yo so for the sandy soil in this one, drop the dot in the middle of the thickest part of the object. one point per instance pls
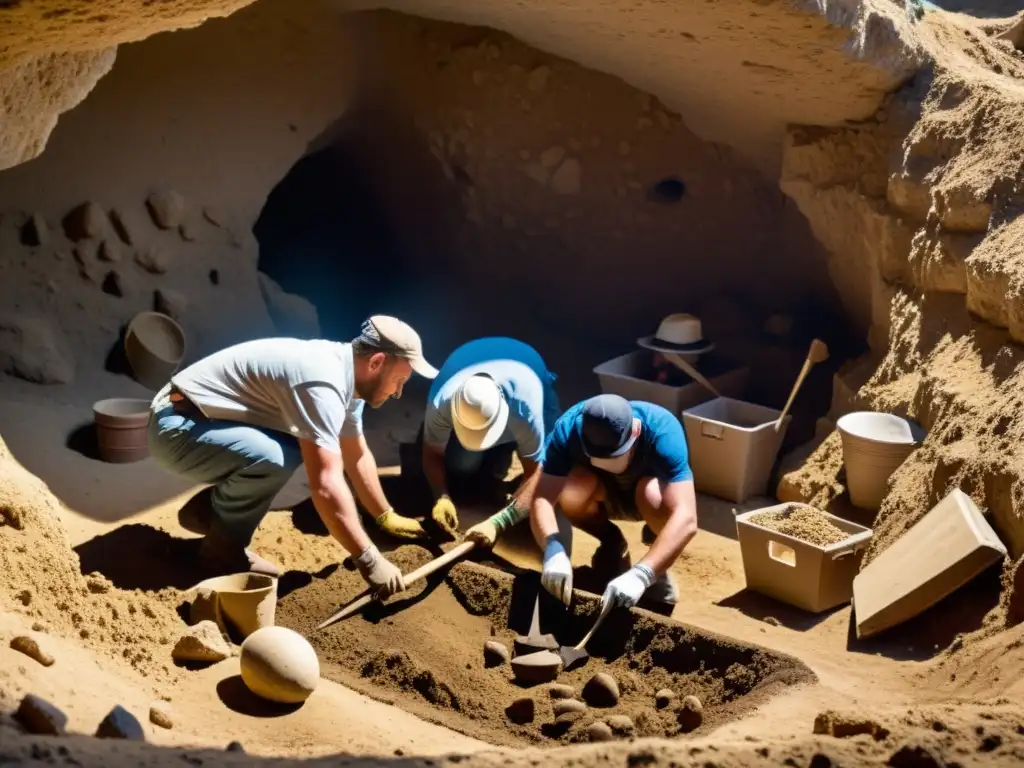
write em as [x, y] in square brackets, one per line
[92, 556]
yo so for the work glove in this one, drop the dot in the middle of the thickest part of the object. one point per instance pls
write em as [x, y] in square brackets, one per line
[487, 532]
[382, 575]
[444, 514]
[626, 590]
[399, 526]
[556, 577]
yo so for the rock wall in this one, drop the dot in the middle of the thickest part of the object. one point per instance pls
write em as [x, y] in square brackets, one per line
[942, 189]
[532, 186]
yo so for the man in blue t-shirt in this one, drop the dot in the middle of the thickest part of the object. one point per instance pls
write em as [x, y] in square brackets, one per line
[491, 397]
[610, 458]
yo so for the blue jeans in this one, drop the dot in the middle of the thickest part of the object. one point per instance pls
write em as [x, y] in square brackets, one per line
[247, 466]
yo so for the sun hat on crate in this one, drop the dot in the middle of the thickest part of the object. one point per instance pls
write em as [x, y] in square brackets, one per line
[678, 334]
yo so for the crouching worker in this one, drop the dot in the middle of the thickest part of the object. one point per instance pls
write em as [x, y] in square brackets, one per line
[244, 418]
[492, 397]
[611, 459]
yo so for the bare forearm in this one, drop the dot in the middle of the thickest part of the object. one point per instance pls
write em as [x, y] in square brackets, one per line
[363, 474]
[337, 508]
[527, 486]
[433, 468]
[542, 521]
[672, 540]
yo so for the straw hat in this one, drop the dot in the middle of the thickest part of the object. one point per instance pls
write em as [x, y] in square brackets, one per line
[479, 413]
[679, 334]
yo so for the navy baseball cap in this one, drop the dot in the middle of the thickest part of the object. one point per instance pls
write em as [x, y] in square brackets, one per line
[606, 426]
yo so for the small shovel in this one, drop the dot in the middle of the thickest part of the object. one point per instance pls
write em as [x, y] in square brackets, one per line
[576, 655]
[818, 353]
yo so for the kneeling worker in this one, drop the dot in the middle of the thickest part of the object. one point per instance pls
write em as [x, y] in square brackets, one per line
[244, 418]
[608, 458]
[497, 396]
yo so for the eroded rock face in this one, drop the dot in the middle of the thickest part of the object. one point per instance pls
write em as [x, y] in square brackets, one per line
[34, 351]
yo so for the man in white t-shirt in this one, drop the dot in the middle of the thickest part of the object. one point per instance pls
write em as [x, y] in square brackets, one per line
[244, 418]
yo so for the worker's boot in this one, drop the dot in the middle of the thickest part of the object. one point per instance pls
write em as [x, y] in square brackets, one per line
[219, 555]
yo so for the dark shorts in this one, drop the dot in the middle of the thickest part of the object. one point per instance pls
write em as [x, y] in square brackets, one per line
[620, 496]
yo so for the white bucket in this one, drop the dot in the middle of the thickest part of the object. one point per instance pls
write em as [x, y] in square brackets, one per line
[874, 446]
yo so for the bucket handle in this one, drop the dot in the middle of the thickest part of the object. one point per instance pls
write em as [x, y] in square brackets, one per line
[715, 431]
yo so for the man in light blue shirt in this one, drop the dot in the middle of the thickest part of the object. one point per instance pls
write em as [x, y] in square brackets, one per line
[491, 397]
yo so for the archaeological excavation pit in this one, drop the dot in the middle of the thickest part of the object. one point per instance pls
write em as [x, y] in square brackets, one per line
[424, 652]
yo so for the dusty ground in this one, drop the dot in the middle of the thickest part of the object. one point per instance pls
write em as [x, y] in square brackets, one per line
[90, 554]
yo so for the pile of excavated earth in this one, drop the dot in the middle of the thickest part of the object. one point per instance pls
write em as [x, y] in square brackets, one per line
[919, 206]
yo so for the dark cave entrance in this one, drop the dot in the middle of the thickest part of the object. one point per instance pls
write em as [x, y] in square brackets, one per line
[360, 226]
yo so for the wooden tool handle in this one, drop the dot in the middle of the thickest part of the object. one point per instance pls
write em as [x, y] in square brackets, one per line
[593, 629]
[816, 354]
[420, 573]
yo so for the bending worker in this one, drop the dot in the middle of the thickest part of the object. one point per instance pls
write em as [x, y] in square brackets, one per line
[491, 397]
[244, 418]
[612, 459]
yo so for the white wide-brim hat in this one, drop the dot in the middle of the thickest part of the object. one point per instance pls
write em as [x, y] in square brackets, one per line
[479, 413]
[679, 334]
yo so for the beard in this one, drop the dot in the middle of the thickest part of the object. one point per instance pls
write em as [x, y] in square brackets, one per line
[373, 392]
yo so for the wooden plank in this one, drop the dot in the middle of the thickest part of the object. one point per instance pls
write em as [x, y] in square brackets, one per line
[944, 550]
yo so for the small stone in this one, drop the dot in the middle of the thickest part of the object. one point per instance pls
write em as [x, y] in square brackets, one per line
[537, 172]
[538, 80]
[40, 716]
[24, 596]
[187, 232]
[691, 714]
[552, 156]
[562, 691]
[664, 697]
[235, 746]
[601, 691]
[621, 725]
[600, 732]
[562, 706]
[108, 251]
[84, 222]
[30, 646]
[568, 178]
[112, 284]
[152, 259]
[160, 714]
[121, 227]
[915, 756]
[521, 711]
[166, 207]
[35, 232]
[120, 724]
[84, 262]
[171, 303]
[202, 642]
[495, 654]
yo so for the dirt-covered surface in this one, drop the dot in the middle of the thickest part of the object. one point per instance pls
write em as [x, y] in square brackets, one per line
[425, 653]
[802, 522]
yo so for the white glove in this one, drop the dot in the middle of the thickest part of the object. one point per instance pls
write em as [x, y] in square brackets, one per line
[556, 577]
[627, 589]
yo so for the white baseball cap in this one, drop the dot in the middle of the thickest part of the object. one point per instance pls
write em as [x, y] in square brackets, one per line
[389, 334]
[479, 412]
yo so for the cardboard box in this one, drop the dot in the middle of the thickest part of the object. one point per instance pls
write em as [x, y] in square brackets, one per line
[808, 576]
[733, 447]
[619, 376]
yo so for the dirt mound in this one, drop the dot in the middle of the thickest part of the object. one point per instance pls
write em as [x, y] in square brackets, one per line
[802, 522]
[433, 660]
[40, 578]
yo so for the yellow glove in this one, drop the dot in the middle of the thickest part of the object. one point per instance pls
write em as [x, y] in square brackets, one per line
[399, 526]
[444, 514]
[484, 534]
